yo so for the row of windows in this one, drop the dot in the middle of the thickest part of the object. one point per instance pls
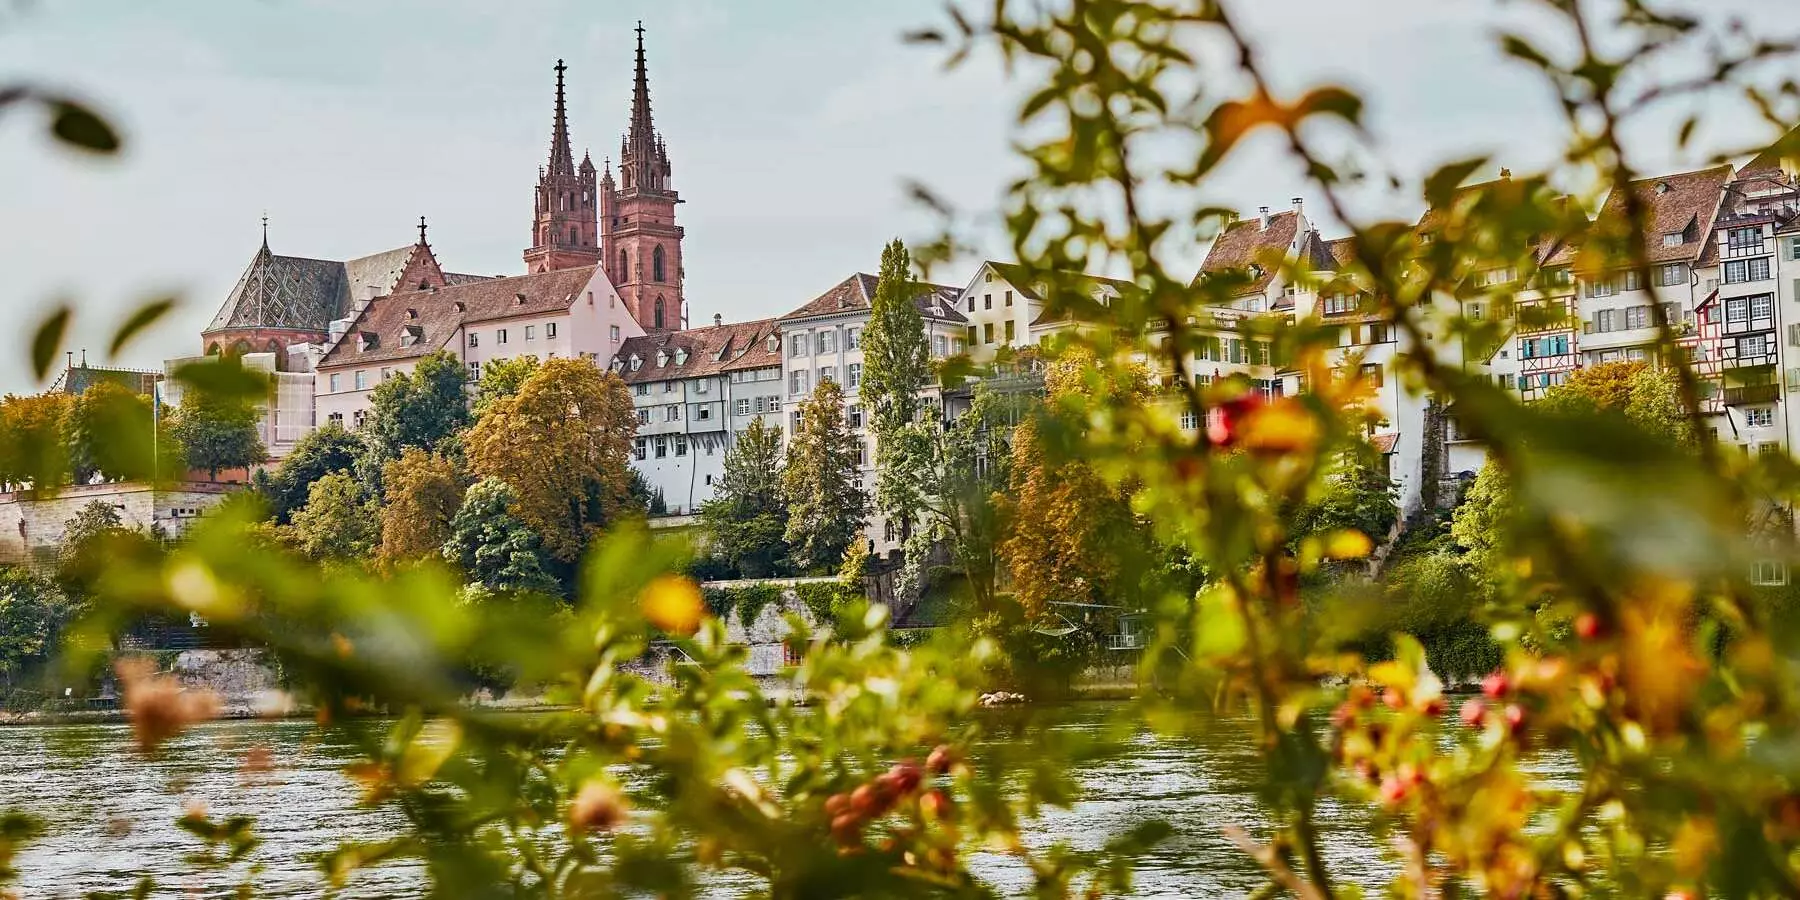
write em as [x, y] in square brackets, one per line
[746, 406]
[700, 385]
[500, 334]
[1743, 309]
[985, 334]
[799, 380]
[987, 301]
[822, 341]
[1232, 350]
[1739, 271]
[1533, 348]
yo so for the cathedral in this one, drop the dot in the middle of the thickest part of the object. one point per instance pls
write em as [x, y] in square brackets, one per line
[301, 310]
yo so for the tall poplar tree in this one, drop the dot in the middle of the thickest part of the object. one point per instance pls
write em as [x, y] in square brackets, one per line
[745, 520]
[896, 364]
[826, 508]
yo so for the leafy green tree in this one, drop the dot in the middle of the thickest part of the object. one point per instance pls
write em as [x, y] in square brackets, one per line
[746, 518]
[563, 444]
[1649, 397]
[826, 508]
[956, 472]
[324, 450]
[1358, 496]
[896, 364]
[217, 431]
[502, 378]
[420, 408]
[110, 435]
[424, 493]
[493, 547]
[83, 551]
[34, 441]
[28, 613]
[337, 523]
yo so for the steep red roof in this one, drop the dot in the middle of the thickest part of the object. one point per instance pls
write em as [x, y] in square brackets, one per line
[858, 292]
[698, 351]
[1246, 243]
[1385, 442]
[412, 324]
[1685, 204]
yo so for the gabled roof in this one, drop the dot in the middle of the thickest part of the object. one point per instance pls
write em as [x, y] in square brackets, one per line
[1247, 243]
[857, 292]
[377, 273]
[287, 292]
[1506, 192]
[1768, 163]
[1385, 442]
[434, 315]
[698, 352]
[1684, 203]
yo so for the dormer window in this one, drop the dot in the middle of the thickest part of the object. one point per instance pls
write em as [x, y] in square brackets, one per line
[637, 362]
[411, 334]
[1674, 239]
[519, 299]
[458, 306]
[1662, 187]
[412, 314]
[774, 342]
[1256, 270]
[662, 358]
[680, 356]
[367, 340]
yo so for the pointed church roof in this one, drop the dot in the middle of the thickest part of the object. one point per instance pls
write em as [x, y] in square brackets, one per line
[643, 131]
[286, 292]
[562, 158]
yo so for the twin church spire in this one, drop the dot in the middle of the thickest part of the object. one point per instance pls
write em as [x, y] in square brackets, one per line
[627, 226]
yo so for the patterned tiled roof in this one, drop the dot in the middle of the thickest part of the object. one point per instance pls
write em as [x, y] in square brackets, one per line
[414, 323]
[1248, 242]
[377, 273]
[699, 351]
[936, 301]
[285, 292]
[1685, 203]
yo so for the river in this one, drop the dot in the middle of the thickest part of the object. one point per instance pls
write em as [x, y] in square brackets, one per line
[111, 813]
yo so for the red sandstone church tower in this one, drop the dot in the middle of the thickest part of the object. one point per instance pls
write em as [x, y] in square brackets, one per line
[564, 232]
[637, 218]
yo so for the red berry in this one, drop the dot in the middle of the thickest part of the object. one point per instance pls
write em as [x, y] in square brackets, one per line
[941, 759]
[1473, 711]
[1393, 698]
[1433, 707]
[935, 805]
[1515, 716]
[837, 804]
[1392, 791]
[847, 828]
[1496, 685]
[1344, 716]
[866, 801]
[1587, 626]
[904, 776]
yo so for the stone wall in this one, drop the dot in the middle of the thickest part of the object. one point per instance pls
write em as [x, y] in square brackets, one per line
[31, 527]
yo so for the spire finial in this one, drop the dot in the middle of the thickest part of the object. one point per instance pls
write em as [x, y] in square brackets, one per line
[421, 231]
[642, 132]
[561, 158]
[265, 230]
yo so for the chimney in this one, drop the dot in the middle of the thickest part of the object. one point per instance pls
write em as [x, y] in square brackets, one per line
[1299, 207]
[718, 320]
[1505, 174]
[1262, 216]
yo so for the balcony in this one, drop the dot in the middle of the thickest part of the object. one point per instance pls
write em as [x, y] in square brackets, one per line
[1126, 641]
[1751, 394]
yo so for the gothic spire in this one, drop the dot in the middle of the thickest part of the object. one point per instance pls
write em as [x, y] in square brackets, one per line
[562, 159]
[643, 133]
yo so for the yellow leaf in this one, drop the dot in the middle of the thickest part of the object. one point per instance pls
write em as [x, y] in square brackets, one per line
[1348, 544]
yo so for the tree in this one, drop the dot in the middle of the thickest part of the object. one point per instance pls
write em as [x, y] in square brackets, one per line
[28, 620]
[321, 452]
[826, 508]
[424, 493]
[82, 552]
[1649, 397]
[563, 444]
[955, 471]
[218, 431]
[1072, 534]
[745, 519]
[896, 364]
[420, 408]
[110, 435]
[502, 378]
[1358, 496]
[34, 440]
[492, 547]
[337, 523]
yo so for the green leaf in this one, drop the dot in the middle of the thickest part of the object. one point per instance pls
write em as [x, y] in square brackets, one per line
[224, 378]
[1334, 101]
[1441, 185]
[48, 340]
[78, 126]
[145, 316]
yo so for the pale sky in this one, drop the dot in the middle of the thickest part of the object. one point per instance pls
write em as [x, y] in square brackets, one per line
[793, 127]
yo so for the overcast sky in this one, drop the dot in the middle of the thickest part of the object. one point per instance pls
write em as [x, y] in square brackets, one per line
[793, 128]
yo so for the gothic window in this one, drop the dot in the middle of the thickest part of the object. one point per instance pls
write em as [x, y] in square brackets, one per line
[573, 237]
[659, 312]
[624, 267]
[213, 350]
[656, 265]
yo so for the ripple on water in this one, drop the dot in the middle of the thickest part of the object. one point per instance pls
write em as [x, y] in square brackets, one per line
[112, 813]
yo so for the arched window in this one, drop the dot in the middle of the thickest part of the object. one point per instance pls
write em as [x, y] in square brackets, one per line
[624, 267]
[240, 348]
[213, 349]
[659, 313]
[656, 265]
